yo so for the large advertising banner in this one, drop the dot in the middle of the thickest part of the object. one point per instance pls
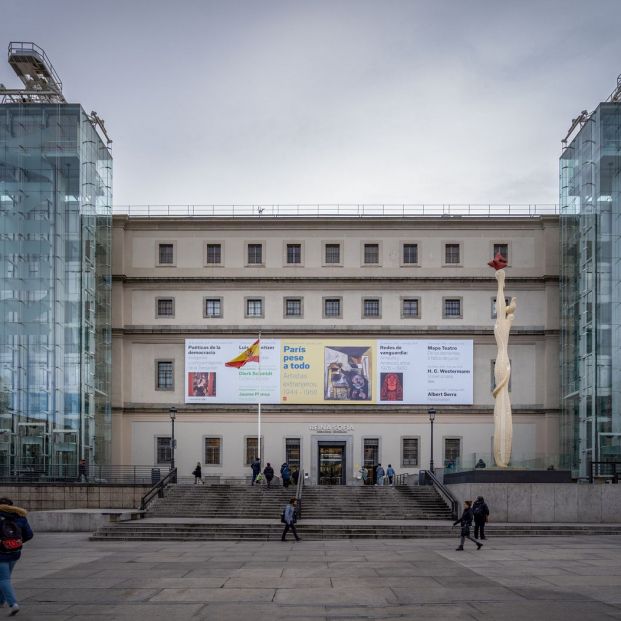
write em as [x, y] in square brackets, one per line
[312, 371]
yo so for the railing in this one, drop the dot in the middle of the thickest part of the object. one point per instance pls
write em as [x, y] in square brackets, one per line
[444, 492]
[298, 493]
[158, 489]
[93, 474]
[605, 469]
[400, 479]
[337, 210]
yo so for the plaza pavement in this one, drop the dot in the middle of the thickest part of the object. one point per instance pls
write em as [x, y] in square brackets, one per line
[66, 576]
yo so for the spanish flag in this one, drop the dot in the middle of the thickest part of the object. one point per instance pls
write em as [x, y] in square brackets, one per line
[250, 355]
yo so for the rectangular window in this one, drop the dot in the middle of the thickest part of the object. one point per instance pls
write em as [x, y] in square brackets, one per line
[163, 449]
[493, 377]
[503, 249]
[250, 450]
[254, 307]
[165, 376]
[165, 307]
[213, 307]
[452, 308]
[410, 254]
[166, 254]
[371, 254]
[293, 307]
[332, 307]
[494, 315]
[294, 254]
[409, 451]
[213, 451]
[293, 452]
[370, 452]
[255, 254]
[214, 254]
[452, 452]
[371, 307]
[333, 253]
[451, 254]
[410, 308]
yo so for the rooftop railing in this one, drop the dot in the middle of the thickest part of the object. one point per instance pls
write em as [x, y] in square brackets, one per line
[337, 210]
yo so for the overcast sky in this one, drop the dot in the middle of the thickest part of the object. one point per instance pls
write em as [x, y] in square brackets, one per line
[322, 101]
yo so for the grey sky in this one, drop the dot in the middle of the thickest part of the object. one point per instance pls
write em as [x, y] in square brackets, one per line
[316, 101]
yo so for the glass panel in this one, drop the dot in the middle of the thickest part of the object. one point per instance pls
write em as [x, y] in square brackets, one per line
[213, 307]
[371, 253]
[333, 253]
[294, 253]
[166, 254]
[254, 308]
[503, 249]
[292, 452]
[164, 452]
[410, 307]
[164, 375]
[452, 307]
[293, 307]
[451, 253]
[410, 253]
[331, 465]
[214, 254]
[410, 451]
[165, 307]
[452, 452]
[255, 254]
[212, 451]
[371, 307]
[332, 307]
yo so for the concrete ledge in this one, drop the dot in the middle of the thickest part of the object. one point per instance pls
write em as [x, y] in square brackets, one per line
[70, 520]
[494, 475]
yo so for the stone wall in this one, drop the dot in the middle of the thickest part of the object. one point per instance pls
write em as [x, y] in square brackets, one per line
[545, 502]
[38, 497]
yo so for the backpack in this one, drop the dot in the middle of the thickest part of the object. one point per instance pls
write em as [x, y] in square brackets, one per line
[10, 535]
[478, 509]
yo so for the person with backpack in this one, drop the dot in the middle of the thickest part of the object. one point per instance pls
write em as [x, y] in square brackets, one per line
[390, 473]
[285, 473]
[379, 475]
[289, 518]
[198, 474]
[269, 474]
[14, 532]
[466, 522]
[480, 511]
[256, 469]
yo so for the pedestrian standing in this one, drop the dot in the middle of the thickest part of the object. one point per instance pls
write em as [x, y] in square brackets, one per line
[390, 473]
[285, 474]
[289, 517]
[480, 511]
[269, 474]
[379, 475]
[256, 469]
[295, 475]
[83, 471]
[466, 522]
[14, 532]
[198, 474]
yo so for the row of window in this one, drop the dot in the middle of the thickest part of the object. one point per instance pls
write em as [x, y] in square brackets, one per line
[332, 307]
[410, 451]
[332, 253]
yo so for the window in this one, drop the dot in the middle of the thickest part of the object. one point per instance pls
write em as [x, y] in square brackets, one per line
[410, 254]
[250, 450]
[213, 308]
[503, 249]
[410, 308]
[493, 378]
[166, 254]
[255, 254]
[371, 254]
[164, 375]
[213, 451]
[163, 450]
[370, 452]
[371, 308]
[294, 254]
[254, 307]
[332, 307]
[494, 314]
[292, 452]
[214, 254]
[452, 452]
[452, 254]
[452, 308]
[409, 452]
[293, 307]
[333, 253]
[165, 307]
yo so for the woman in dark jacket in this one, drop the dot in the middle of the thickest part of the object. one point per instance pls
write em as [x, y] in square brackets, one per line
[10, 549]
[198, 474]
[466, 522]
[269, 474]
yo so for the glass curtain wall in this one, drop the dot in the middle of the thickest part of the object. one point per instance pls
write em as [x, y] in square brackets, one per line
[590, 198]
[55, 286]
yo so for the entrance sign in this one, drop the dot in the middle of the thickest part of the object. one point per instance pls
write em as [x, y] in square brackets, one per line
[322, 371]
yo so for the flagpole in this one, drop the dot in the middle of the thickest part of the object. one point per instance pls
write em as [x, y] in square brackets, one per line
[259, 403]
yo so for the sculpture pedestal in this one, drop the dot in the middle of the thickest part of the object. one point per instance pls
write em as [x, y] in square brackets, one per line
[507, 475]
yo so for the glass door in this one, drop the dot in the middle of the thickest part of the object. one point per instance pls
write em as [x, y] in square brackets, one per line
[331, 464]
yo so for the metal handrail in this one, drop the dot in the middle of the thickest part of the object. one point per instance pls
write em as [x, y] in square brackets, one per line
[615, 466]
[158, 489]
[298, 493]
[400, 479]
[444, 492]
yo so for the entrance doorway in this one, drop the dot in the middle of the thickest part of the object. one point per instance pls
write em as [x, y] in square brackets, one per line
[331, 463]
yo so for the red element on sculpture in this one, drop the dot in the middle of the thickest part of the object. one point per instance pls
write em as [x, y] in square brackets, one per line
[498, 262]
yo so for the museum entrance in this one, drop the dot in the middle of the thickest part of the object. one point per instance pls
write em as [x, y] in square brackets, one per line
[331, 458]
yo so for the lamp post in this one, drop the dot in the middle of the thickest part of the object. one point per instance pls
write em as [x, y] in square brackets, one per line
[432, 416]
[173, 414]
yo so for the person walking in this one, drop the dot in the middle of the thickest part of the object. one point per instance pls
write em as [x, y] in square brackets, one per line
[285, 473]
[295, 475]
[379, 475]
[466, 522]
[82, 471]
[14, 531]
[289, 517]
[198, 474]
[256, 469]
[269, 474]
[480, 511]
[390, 473]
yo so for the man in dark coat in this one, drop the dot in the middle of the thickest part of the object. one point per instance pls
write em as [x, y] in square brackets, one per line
[256, 469]
[269, 474]
[466, 522]
[480, 512]
[10, 549]
[285, 473]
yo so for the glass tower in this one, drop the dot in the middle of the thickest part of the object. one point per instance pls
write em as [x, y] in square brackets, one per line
[55, 288]
[590, 199]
